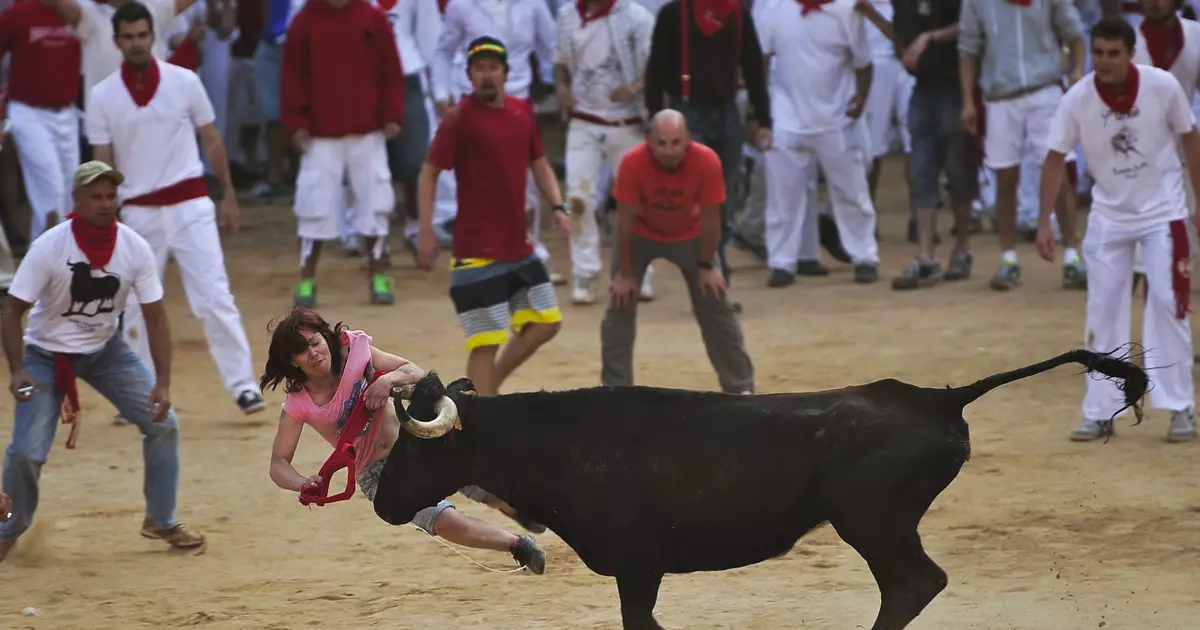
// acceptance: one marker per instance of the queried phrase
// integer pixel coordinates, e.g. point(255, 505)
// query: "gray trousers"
point(720, 326)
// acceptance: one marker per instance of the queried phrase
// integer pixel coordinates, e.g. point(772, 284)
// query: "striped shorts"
point(493, 296)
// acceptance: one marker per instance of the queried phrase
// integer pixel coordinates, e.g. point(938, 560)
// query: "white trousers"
point(1108, 247)
point(591, 147)
point(792, 164)
point(320, 196)
point(48, 147)
point(188, 233)
point(887, 105)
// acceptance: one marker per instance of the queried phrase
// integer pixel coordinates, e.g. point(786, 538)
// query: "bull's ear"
point(461, 386)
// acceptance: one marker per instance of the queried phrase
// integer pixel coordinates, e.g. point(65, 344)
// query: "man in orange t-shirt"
point(669, 193)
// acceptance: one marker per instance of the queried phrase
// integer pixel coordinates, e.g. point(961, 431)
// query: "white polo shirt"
point(76, 308)
point(1139, 180)
point(816, 56)
point(101, 57)
point(417, 25)
point(598, 72)
point(154, 146)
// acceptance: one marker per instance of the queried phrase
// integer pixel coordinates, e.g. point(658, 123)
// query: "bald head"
point(669, 138)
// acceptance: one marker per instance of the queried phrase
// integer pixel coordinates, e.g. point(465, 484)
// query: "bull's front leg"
point(639, 594)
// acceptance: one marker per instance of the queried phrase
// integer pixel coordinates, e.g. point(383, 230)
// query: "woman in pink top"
point(324, 371)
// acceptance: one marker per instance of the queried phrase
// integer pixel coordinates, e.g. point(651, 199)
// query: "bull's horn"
point(447, 418)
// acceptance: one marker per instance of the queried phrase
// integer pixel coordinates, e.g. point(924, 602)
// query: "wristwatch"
point(559, 208)
point(704, 265)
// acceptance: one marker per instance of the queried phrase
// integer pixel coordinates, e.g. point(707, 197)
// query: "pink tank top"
point(329, 419)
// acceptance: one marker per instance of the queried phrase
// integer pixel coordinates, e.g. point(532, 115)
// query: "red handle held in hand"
point(343, 455)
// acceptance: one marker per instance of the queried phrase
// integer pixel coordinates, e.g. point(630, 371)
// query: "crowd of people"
point(693, 125)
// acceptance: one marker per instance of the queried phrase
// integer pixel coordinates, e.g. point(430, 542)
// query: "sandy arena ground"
point(1036, 533)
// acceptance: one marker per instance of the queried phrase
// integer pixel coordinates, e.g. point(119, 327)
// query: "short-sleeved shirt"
point(490, 150)
point(76, 308)
point(1139, 179)
point(939, 64)
point(817, 55)
point(101, 57)
point(154, 146)
point(668, 202)
point(46, 56)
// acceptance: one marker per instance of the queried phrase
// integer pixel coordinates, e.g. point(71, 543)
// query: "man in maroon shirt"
point(43, 85)
point(496, 281)
point(342, 97)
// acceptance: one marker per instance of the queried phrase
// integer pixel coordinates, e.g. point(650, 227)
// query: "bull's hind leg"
point(639, 594)
point(882, 528)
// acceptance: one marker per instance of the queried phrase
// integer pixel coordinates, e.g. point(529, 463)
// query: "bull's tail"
point(1132, 378)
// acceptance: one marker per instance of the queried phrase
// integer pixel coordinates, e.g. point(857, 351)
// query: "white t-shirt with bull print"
point(76, 309)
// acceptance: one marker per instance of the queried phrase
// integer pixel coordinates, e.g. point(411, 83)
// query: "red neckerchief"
point(811, 5)
point(387, 5)
point(1164, 41)
point(442, 6)
point(97, 243)
point(711, 15)
point(584, 18)
point(142, 86)
point(1021, 3)
point(1120, 102)
point(186, 55)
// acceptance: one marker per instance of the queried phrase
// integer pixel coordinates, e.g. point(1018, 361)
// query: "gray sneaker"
point(1183, 426)
point(528, 554)
point(918, 273)
point(1092, 429)
point(959, 267)
point(1074, 275)
point(1008, 276)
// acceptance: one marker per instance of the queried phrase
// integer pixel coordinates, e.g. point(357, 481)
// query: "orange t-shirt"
point(668, 202)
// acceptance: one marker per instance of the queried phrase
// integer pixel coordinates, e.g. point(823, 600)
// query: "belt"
point(1021, 92)
point(596, 120)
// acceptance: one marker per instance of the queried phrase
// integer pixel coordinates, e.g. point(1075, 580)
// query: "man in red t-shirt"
point(669, 192)
point(43, 85)
point(496, 282)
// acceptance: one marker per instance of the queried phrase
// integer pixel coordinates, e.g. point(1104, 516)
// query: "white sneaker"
point(1183, 426)
point(581, 292)
point(646, 293)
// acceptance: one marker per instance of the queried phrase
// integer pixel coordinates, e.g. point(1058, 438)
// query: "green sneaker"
point(381, 290)
point(1008, 276)
point(306, 293)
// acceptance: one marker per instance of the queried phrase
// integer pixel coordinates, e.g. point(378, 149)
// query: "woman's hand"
point(311, 482)
point(378, 393)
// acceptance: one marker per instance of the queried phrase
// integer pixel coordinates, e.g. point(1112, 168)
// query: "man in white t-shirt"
point(599, 66)
point(92, 22)
point(76, 278)
point(144, 119)
point(824, 70)
point(1127, 119)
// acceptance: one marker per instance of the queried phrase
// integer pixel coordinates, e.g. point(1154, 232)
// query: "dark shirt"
point(939, 64)
point(712, 63)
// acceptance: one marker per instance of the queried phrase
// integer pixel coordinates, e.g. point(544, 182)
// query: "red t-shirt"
point(490, 150)
point(46, 55)
point(668, 202)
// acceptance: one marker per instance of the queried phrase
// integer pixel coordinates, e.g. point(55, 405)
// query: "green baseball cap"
point(89, 172)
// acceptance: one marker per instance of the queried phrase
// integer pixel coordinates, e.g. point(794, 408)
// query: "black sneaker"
point(250, 402)
point(866, 273)
point(811, 268)
point(528, 554)
point(780, 278)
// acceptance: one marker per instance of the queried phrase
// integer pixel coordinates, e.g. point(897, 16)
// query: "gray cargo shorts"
point(368, 482)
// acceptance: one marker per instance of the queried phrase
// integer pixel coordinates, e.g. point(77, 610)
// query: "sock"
point(1010, 257)
point(1070, 255)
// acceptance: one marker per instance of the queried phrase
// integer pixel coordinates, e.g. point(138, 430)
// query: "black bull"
point(643, 481)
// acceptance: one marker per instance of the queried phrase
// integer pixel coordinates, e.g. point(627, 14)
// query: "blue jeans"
point(940, 146)
point(268, 60)
point(719, 128)
point(120, 376)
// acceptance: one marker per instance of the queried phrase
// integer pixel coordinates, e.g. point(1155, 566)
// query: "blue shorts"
point(267, 61)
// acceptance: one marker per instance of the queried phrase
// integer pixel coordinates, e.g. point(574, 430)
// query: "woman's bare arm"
point(287, 438)
point(401, 371)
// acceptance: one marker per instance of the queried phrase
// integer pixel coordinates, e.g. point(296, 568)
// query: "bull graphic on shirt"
point(91, 295)
point(360, 386)
point(1124, 142)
